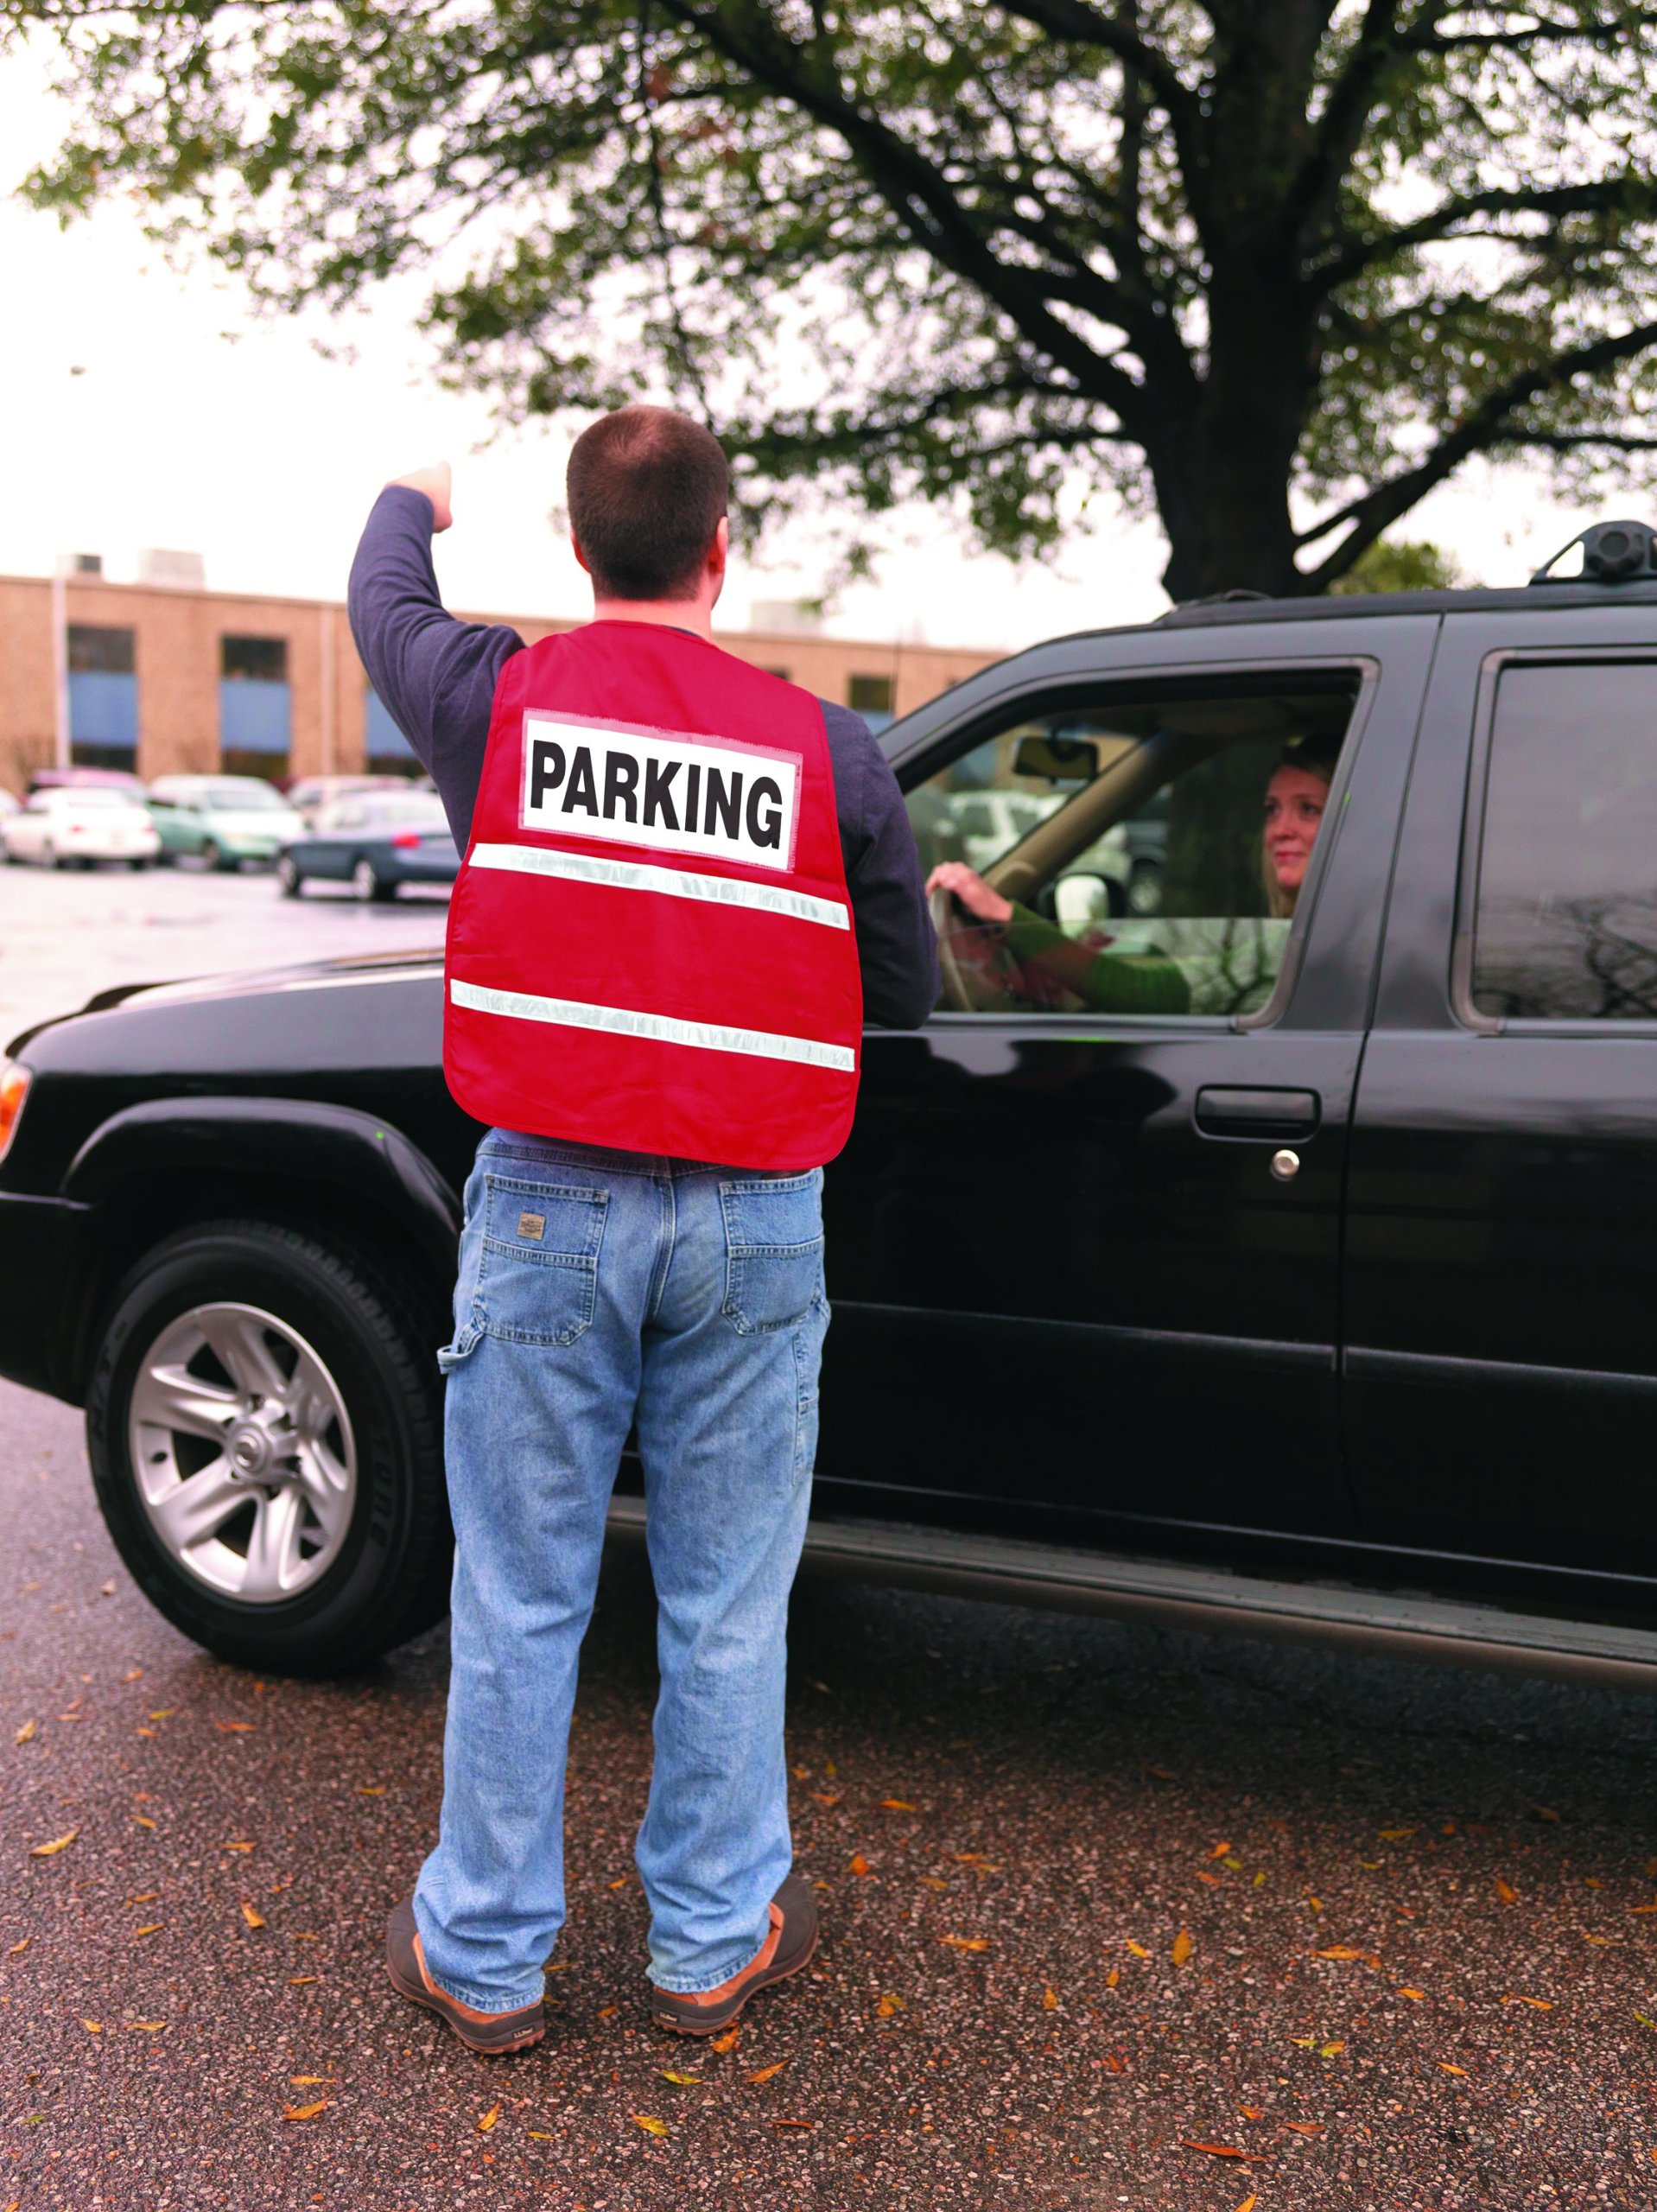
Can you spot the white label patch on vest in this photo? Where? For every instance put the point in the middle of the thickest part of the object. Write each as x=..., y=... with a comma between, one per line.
x=680, y=794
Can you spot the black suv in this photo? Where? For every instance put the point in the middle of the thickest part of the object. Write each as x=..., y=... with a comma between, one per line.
x=1315, y=1289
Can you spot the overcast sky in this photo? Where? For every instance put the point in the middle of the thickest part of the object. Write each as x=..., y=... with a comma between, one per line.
x=145, y=407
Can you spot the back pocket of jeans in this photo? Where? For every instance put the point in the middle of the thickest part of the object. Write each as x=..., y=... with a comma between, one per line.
x=539, y=1280
x=773, y=1250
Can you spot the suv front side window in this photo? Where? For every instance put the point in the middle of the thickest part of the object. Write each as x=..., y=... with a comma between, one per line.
x=1133, y=855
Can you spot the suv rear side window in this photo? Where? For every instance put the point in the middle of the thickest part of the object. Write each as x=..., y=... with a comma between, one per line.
x=1567, y=924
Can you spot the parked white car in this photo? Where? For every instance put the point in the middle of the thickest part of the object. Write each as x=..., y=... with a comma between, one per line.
x=75, y=825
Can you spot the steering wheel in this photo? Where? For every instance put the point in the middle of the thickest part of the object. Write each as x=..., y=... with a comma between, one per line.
x=965, y=990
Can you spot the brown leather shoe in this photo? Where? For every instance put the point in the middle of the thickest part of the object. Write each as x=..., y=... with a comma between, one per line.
x=792, y=1940
x=493, y=2033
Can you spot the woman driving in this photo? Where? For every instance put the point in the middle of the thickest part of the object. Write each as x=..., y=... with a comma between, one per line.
x=1109, y=981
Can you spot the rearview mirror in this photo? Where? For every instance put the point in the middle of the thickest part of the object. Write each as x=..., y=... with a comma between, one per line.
x=1057, y=759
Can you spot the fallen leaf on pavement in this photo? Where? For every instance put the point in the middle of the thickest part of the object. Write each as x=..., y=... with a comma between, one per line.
x=683, y=2080
x=236, y=1846
x=1049, y=2000
x=299, y=1980
x=1505, y=1891
x=310, y=2081
x=1394, y=1835
x=1449, y=2069
x=93, y=2027
x=25, y=1734
x=371, y=1789
x=305, y=2112
x=1183, y=1946
x=487, y=2120
x=966, y=1942
x=58, y=1843
x=20, y=1945
x=1541, y=2004
x=1545, y=1812
x=931, y=1882
x=1644, y=2021
x=234, y=1727
x=727, y=2042
x=794, y=2123
x=1251, y=2112
x=858, y=1863
x=539, y=2135
x=766, y=2073
x=1304, y=2126
x=147, y=2027
x=897, y=1805
x=1248, y=2204
x=650, y=2125
x=143, y=1820
x=825, y=1796
x=149, y=1927
x=1113, y=1977
x=888, y=2005
x=1411, y=1992
x=1605, y=1942
x=1345, y=1951
x=1138, y=1949
x=253, y=1919
x=1331, y=2049
x=1219, y=1851
x=1214, y=2150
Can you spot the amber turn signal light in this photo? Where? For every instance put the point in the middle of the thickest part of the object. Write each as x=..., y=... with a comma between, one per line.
x=14, y=1089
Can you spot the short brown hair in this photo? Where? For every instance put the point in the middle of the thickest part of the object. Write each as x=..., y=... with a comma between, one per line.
x=646, y=490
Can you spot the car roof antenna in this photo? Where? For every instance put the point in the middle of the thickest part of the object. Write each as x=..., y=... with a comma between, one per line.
x=1612, y=553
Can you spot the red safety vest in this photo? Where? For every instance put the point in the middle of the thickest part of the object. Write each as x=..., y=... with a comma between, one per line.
x=650, y=941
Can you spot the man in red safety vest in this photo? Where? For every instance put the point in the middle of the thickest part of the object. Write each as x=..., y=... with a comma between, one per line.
x=686, y=883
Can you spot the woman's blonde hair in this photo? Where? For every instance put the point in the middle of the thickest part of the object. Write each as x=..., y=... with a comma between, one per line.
x=1314, y=756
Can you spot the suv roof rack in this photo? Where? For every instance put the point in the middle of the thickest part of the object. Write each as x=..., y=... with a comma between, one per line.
x=1612, y=553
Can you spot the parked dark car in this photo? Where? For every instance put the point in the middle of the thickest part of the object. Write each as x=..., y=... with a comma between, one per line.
x=1326, y=1305
x=375, y=843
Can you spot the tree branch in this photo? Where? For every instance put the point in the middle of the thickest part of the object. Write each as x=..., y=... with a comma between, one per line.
x=1484, y=428
x=915, y=190
x=1629, y=193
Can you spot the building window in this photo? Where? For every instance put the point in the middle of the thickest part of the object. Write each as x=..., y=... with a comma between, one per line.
x=871, y=696
x=103, y=697
x=389, y=752
x=255, y=707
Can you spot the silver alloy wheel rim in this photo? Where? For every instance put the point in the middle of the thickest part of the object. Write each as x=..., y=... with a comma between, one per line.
x=242, y=1451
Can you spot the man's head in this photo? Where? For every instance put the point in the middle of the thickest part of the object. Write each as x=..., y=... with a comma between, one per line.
x=647, y=492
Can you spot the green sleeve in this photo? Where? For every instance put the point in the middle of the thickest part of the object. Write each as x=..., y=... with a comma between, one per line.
x=1114, y=983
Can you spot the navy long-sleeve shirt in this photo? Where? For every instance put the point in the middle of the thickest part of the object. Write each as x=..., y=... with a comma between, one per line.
x=437, y=676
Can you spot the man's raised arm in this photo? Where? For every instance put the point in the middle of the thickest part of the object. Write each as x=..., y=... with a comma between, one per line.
x=436, y=676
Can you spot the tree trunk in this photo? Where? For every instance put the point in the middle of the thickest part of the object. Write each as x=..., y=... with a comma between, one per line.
x=1223, y=473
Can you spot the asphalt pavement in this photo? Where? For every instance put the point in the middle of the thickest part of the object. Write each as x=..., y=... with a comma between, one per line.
x=1111, y=1918
x=65, y=934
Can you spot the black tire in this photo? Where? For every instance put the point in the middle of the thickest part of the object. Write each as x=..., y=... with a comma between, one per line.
x=389, y=1579
x=368, y=884
x=216, y=860
x=288, y=877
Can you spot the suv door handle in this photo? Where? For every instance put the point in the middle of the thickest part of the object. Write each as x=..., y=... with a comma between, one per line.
x=1267, y=1115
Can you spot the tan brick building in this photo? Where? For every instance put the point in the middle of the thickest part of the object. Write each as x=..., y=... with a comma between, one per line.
x=164, y=679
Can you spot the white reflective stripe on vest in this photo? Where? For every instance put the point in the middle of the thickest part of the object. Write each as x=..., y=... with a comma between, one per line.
x=656, y=1028
x=674, y=882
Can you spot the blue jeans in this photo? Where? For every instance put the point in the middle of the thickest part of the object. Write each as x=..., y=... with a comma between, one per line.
x=598, y=1289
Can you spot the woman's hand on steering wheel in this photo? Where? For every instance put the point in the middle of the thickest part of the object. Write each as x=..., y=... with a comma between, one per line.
x=970, y=888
